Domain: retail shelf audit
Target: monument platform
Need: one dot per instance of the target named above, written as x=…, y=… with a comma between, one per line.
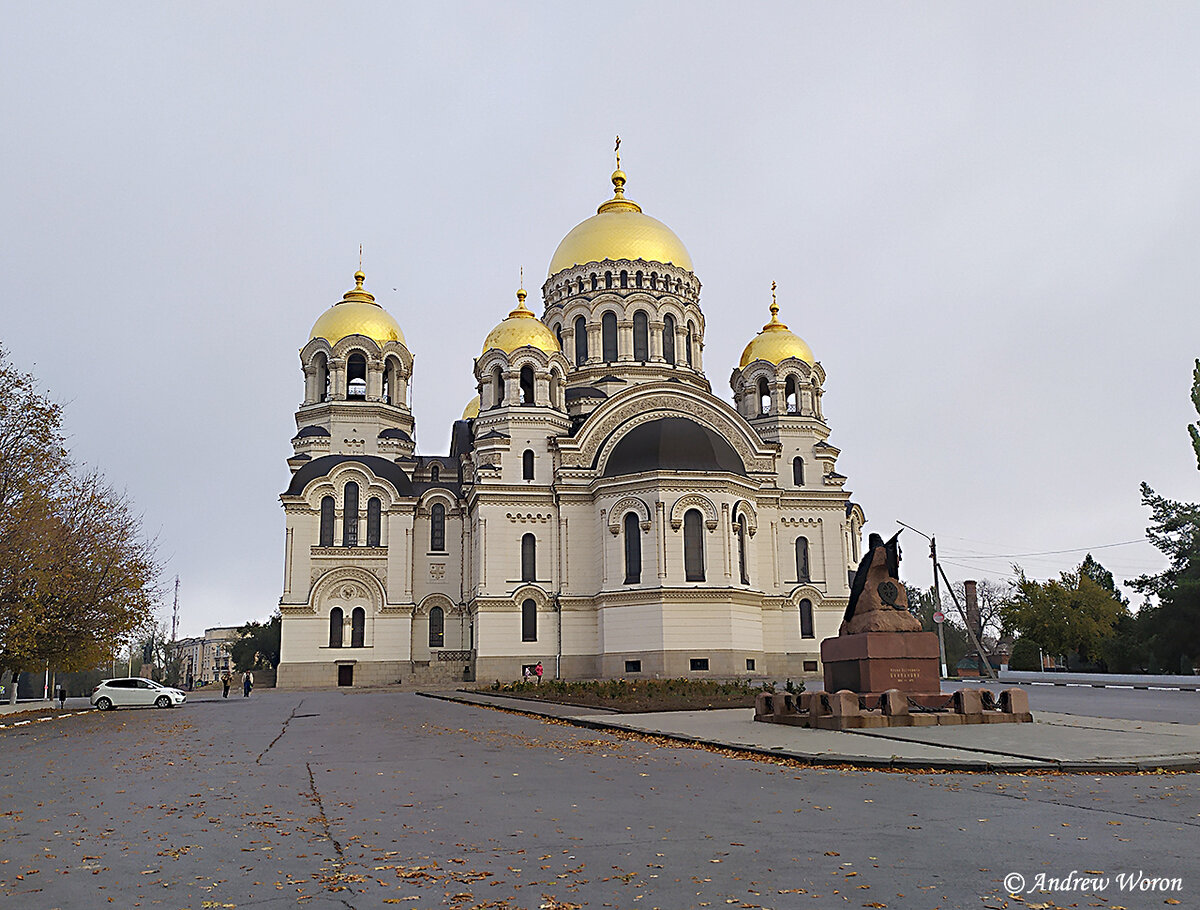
x=874, y=662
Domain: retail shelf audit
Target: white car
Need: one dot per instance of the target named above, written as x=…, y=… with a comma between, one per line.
x=135, y=692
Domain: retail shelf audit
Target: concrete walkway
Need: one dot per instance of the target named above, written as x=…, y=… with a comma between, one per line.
x=1053, y=742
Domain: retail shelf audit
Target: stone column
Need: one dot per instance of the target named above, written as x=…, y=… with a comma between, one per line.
x=656, y=342
x=660, y=538
x=624, y=340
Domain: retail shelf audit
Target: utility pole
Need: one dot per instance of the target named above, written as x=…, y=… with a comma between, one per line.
x=938, y=570
x=175, y=613
x=937, y=598
x=937, y=605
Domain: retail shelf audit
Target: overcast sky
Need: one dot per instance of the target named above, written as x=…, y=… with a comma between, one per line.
x=984, y=219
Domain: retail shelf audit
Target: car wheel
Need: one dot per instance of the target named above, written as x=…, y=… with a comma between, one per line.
x=104, y=704
x=162, y=702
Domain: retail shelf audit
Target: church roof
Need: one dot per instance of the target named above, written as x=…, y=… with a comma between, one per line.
x=357, y=313
x=672, y=444
x=620, y=230
x=312, y=431
x=320, y=467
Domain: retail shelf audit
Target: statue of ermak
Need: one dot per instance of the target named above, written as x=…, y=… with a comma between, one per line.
x=878, y=600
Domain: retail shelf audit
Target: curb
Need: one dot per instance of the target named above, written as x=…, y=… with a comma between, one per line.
x=893, y=763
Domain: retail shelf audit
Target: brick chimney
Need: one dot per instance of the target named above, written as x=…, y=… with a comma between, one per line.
x=973, y=617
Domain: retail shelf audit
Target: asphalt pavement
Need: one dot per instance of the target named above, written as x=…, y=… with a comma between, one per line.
x=370, y=799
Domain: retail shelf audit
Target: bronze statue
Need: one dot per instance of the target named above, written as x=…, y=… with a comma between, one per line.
x=878, y=600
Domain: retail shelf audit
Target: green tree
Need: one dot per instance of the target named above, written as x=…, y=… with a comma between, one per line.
x=1070, y=613
x=257, y=645
x=1026, y=655
x=77, y=578
x=1194, y=428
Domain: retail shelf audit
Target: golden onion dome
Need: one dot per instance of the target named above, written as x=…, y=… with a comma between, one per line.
x=776, y=343
x=521, y=328
x=471, y=411
x=620, y=230
x=357, y=313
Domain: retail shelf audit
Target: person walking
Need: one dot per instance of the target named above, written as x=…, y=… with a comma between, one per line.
x=537, y=671
x=62, y=697
x=247, y=684
x=226, y=680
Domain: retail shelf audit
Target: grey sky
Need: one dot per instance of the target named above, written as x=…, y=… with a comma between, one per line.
x=984, y=219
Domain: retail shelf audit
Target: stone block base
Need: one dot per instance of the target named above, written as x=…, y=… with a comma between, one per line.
x=846, y=710
x=872, y=662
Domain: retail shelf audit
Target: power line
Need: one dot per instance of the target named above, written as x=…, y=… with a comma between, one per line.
x=1104, y=546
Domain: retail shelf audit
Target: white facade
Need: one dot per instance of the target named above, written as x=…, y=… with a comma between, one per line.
x=602, y=513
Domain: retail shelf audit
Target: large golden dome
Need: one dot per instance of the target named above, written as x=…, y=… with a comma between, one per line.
x=776, y=343
x=471, y=411
x=619, y=230
x=357, y=313
x=521, y=328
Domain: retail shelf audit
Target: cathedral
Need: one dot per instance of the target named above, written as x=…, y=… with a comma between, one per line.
x=600, y=512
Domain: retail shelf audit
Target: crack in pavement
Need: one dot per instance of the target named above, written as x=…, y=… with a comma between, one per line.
x=282, y=730
x=315, y=796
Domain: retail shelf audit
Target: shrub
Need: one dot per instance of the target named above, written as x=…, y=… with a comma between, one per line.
x=1025, y=655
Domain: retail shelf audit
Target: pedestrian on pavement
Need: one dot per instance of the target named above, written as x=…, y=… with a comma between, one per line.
x=247, y=684
x=226, y=680
x=189, y=682
x=62, y=697
x=528, y=672
x=538, y=672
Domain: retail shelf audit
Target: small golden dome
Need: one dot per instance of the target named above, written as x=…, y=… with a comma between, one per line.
x=471, y=411
x=775, y=343
x=357, y=313
x=620, y=230
x=521, y=328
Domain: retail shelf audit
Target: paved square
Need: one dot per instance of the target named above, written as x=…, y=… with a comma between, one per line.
x=358, y=799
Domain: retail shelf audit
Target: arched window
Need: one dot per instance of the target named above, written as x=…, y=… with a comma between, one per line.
x=529, y=621
x=607, y=280
x=437, y=627
x=335, y=627
x=798, y=471
x=654, y=281
x=387, y=383
x=435, y=474
x=633, y=549
x=558, y=328
x=322, y=377
x=356, y=376
x=669, y=339
x=764, y=396
x=327, y=507
x=374, y=508
x=358, y=627
x=437, y=528
x=641, y=335
x=802, y=570
x=637, y=280
x=527, y=385
x=581, y=351
x=791, y=396
x=555, y=389
x=581, y=285
x=693, y=545
x=624, y=278
x=608, y=336
x=527, y=464
x=350, y=516
x=691, y=330
x=741, y=539
x=595, y=281
x=806, y=619
x=528, y=558
x=497, y=387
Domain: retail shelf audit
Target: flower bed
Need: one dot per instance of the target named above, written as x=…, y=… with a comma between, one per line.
x=632, y=696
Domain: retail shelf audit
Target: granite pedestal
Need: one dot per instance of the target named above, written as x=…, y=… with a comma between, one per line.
x=874, y=662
